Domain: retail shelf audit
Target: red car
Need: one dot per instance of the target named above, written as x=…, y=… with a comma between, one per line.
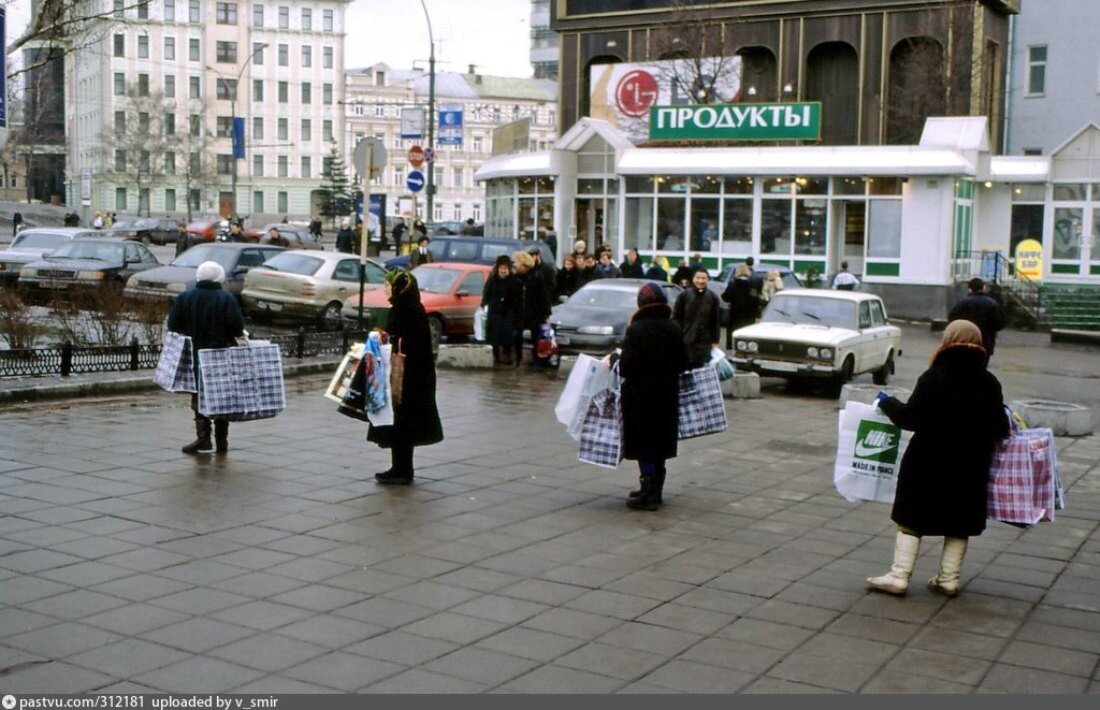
x=207, y=229
x=450, y=292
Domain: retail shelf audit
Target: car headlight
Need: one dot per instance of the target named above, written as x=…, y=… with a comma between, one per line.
x=89, y=275
x=176, y=287
x=811, y=352
x=752, y=346
x=826, y=354
x=596, y=330
x=27, y=271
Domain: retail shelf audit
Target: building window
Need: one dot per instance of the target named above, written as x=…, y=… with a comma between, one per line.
x=326, y=21
x=120, y=161
x=143, y=46
x=257, y=15
x=476, y=143
x=477, y=213
x=120, y=84
x=226, y=53
x=257, y=202
x=120, y=45
x=282, y=202
x=457, y=213
x=399, y=177
x=170, y=163
x=120, y=199
x=326, y=130
x=227, y=89
x=257, y=128
x=258, y=53
x=169, y=124
x=379, y=111
x=307, y=170
x=307, y=130
x=1036, y=69
x=196, y=87
x=194, y=200
x=459, y=176
x=120, y=8
x=284, y=18
x=282, y=163
x=284, y=92
x=224, y=126
x=284, y=129
x=145, y=162
x=143, y=85
x=257, y=166
x=195, y=123
x=307, y=92
x=169, y=10
x=224, y=164
x=120, y=122
x=143, y=123
x=307, y=56
x=284, y=55
x=194, y=11
x=326, y=94
x=1033, y=151
x=194, y=165
x=257, y=89
x=170, y=85
x=380, y=78
x=169, y=47
x=307, y=19
x=193, y=52
x=170, y=200
x=326, y=57
x=226, y=13
x=326, y=166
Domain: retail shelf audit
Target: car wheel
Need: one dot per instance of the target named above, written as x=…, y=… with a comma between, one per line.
x=330, y=316
x=435, y=326
x=881, y=376
x=146, y=239
x=844, y=375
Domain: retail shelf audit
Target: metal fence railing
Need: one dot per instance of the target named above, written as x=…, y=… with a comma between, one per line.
x=68, y=359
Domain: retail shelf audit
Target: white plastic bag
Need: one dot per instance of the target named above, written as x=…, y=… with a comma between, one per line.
x=587, y=377
x=480, y=317
x=869, y=449
x=721, y=364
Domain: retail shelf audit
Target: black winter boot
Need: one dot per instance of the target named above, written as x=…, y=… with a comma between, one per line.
x=202, y=443
x=221, y=436
x=401, y=472
x=648, y=499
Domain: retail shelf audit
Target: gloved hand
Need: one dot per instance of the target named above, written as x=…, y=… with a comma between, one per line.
x=880, y=398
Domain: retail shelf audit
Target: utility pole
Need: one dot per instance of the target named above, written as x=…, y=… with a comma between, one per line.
x=431, y=116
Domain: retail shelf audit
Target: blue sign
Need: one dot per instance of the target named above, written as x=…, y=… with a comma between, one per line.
x=450, y=126
x=415, y=181
x=238, y=137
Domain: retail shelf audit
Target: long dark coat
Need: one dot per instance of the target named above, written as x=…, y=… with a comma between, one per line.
x=984, y=312
x=533, y=307
x=652, y=359
x=208, y=314
x=956, y=414
x=500, y=298
x=698, y=313
x=744, y=302
x=416, y=419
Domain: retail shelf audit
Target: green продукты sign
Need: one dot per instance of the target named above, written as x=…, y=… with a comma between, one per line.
x=746, y=122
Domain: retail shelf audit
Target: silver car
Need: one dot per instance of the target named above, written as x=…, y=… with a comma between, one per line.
x=167, y=282
x=307, y=285
x=34, y=244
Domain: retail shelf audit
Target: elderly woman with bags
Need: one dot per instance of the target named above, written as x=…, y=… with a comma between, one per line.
x=415, y=417
x=652, y=358
x=957, y=416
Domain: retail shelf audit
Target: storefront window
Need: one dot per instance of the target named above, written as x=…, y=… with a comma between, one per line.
x=809, y=232
x=884, y=229
x=885, y=185
x=775, y=226
x=812, y=185
x=849, y=186
x=587, y=186
x=526, y=185
x=640, y=183
x=670, y=223
x=740, y=185
x=1025, y=192
x=672, y=183
x=1069, y=192
x=736, y=227
x=544, y=185
x=778, y=186
x=704, y=224
x=639, y=223
x=1027, y=223
x=526, y=218
x=1068, y=232
x=706, y=185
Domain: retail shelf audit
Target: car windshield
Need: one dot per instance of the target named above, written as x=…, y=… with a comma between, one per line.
x=99, y=251
x=294, y=264
x=605, y=298
x=811, y=311
x=490, y=252
x=436, y=280
x=39, y=240
x=194, y=256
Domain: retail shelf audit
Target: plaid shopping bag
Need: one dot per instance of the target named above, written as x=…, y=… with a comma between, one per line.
x=602, y=431
x=1021, y=487
x=176, y=368
x=702, y=410
x=241, y=383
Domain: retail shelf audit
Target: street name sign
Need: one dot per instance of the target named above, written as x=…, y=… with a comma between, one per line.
x=744, y=122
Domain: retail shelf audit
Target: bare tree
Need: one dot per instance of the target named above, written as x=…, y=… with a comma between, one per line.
x=701, y=60
x=139, y=149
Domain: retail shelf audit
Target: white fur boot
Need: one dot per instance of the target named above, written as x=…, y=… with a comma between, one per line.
x=896, y=581
x=947, y=581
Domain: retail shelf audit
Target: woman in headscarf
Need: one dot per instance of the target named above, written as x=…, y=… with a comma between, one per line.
x=653, y=356
x=415, y=419
x=957, y=416
x=499, y=298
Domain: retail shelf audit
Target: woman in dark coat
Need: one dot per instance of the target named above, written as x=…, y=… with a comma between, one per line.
x=532, y=304
x=416, y=419
x=697, y=311
x=652, y=359
x=957, y=416
x=498, y=298
x=744, y=302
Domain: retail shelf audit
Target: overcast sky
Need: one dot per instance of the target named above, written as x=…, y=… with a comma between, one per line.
x=494, y=35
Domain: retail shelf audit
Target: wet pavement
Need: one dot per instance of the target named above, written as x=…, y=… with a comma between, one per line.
x=282, y=567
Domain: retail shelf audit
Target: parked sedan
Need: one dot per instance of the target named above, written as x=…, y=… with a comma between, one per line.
x=299, y=237
x=147, y=230
x=82, y=265
x=594, y=318
x=823, y=334
x=169, y=281
x=309, y=285
x=34, y=244
x=450, y=292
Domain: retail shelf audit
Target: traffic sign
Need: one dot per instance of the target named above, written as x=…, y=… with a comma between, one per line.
x=377, y=151
x=415, y=181
x=429, y=155
x=416, y=156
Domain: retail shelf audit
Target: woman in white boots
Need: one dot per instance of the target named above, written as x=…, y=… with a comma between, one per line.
x=957, y=415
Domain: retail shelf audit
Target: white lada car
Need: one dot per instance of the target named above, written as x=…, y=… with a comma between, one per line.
x=811, y=333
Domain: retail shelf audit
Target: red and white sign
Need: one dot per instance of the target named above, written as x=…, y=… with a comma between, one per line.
x=636, y=92
x=416, y=156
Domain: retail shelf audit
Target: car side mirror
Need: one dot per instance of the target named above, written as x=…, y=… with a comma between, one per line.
x=462, y=294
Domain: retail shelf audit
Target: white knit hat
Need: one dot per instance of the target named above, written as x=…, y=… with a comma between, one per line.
x=210, y=271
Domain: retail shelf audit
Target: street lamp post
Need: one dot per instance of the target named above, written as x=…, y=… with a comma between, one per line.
x=233, y=124
x=431, y=113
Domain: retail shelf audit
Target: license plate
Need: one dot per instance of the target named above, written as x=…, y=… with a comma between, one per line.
x=777, y=365
x=54, y=284
x=273, y=306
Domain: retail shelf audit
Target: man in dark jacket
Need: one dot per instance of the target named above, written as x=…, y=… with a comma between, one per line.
x=422, y=254
x=345, y=238
x=631, y=268
x=697, y=312
x=210, y=316
x=546, y=272
x=982, y=310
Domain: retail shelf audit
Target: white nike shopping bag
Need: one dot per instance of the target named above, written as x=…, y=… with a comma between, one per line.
x=869, y=448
